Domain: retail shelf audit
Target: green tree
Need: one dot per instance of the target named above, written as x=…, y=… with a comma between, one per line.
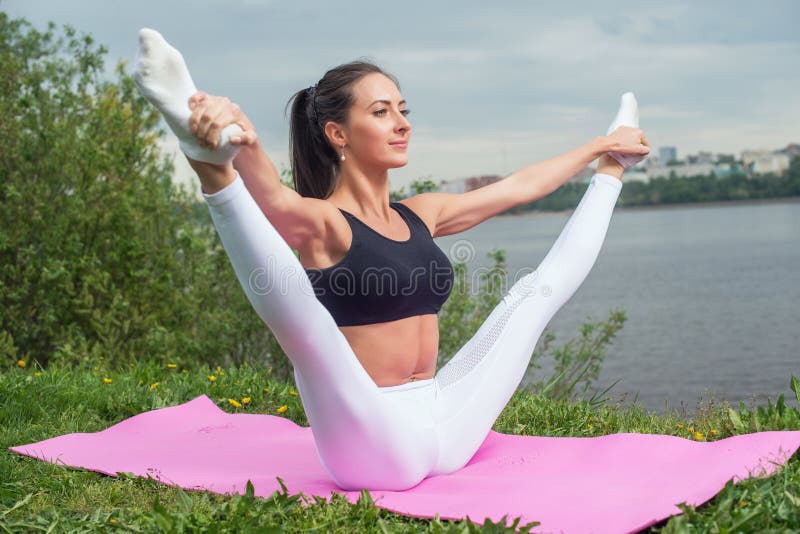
x=100, y=254
x=420, y=185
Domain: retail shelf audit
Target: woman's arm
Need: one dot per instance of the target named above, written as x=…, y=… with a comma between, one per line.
x=449, y=213
x=296, y=218
x=540, y=179
x=259, y=174
x=210, y=115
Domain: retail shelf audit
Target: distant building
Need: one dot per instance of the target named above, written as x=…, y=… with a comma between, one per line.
x=683, y=170
x=462, y=185
x=772, y=163
x=667, y=154
x=665, y=165
x=637, y=174
x=452, y=186
x=722, y=170
x=764, y=161
x=584, y=175
x=749, y=156
x=700, y=158
x=476, y=182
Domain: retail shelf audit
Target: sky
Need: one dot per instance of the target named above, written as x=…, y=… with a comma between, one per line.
x=492, y=86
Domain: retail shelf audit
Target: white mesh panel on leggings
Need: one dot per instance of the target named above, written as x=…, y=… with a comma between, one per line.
x=456, y=369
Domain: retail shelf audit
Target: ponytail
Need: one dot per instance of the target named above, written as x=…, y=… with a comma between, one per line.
x=314, y=162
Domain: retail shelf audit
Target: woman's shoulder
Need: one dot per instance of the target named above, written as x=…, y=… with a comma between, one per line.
x=425, y=208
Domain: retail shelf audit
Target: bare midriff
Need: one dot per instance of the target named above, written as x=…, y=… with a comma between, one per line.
x=396, y=352
x=392, y=352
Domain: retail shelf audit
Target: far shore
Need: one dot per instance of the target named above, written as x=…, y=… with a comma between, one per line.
x=781, y=200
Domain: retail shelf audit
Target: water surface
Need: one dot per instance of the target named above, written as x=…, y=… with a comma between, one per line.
x=711, y=294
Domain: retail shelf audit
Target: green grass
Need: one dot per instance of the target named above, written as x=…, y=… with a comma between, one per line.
x=36, y=404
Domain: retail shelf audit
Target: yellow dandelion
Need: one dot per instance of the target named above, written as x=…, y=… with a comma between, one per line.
x=37, y=373
x=691, y=428
x=212, y=378
x=698, y=436
x=246, y=400
x=172, y=365
x=21, y=363
x=153, y=386
x=714, y=431
x=265, y=390
x=283, y=409
x=235, y=403
x=112, y=521
x=293, y=393
x=106, y=380
x=589, y=425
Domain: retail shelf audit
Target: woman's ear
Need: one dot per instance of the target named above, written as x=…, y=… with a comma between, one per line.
x=335, y=133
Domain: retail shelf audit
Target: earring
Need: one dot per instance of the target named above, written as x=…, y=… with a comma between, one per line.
x=342, y=158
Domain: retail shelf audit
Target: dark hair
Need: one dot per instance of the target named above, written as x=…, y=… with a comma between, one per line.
x=315, y=162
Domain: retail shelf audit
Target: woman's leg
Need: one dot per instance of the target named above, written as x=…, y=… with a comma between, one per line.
x=364, y=438
x=477, y=383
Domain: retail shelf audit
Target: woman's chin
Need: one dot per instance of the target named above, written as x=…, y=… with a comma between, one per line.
x=399, y=163
x=390, y=163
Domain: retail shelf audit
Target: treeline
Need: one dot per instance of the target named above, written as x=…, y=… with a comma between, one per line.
x=678, y=190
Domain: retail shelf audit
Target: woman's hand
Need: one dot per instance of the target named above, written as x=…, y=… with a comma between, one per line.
x=628, y=140
x=212, y=114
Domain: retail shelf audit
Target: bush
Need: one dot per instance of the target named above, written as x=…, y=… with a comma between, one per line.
x=101, y=254
x=577, y=363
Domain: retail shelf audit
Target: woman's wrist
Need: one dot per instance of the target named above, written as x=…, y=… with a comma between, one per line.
x=601, y=144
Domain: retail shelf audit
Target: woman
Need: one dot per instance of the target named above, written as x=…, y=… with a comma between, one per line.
x=364, y=359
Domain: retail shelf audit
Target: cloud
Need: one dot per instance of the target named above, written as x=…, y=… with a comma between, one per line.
x=492, y=86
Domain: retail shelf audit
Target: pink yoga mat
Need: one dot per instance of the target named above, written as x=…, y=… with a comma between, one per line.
x=615, y=483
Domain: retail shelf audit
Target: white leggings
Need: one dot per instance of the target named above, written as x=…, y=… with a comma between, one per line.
x=391, y=438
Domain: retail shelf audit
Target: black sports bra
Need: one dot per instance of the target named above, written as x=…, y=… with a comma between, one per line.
x=381, y=279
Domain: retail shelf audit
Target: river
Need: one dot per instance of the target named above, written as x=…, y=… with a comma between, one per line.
x=711, y=294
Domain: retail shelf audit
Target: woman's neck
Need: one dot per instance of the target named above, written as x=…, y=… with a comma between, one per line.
x=362, y=193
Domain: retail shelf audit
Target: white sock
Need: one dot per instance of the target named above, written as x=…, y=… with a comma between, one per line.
x=164, y=80
x=628, y=115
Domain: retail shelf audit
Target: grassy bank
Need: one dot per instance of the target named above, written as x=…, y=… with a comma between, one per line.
x=37, y=404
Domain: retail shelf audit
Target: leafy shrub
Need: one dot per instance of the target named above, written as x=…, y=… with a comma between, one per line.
x=100, y=254
x=577, y=363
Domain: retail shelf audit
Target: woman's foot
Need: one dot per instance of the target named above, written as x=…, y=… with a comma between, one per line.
x=165, y=82
x=628, y=115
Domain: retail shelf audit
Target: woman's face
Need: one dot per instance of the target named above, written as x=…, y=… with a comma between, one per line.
x=378, y=131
